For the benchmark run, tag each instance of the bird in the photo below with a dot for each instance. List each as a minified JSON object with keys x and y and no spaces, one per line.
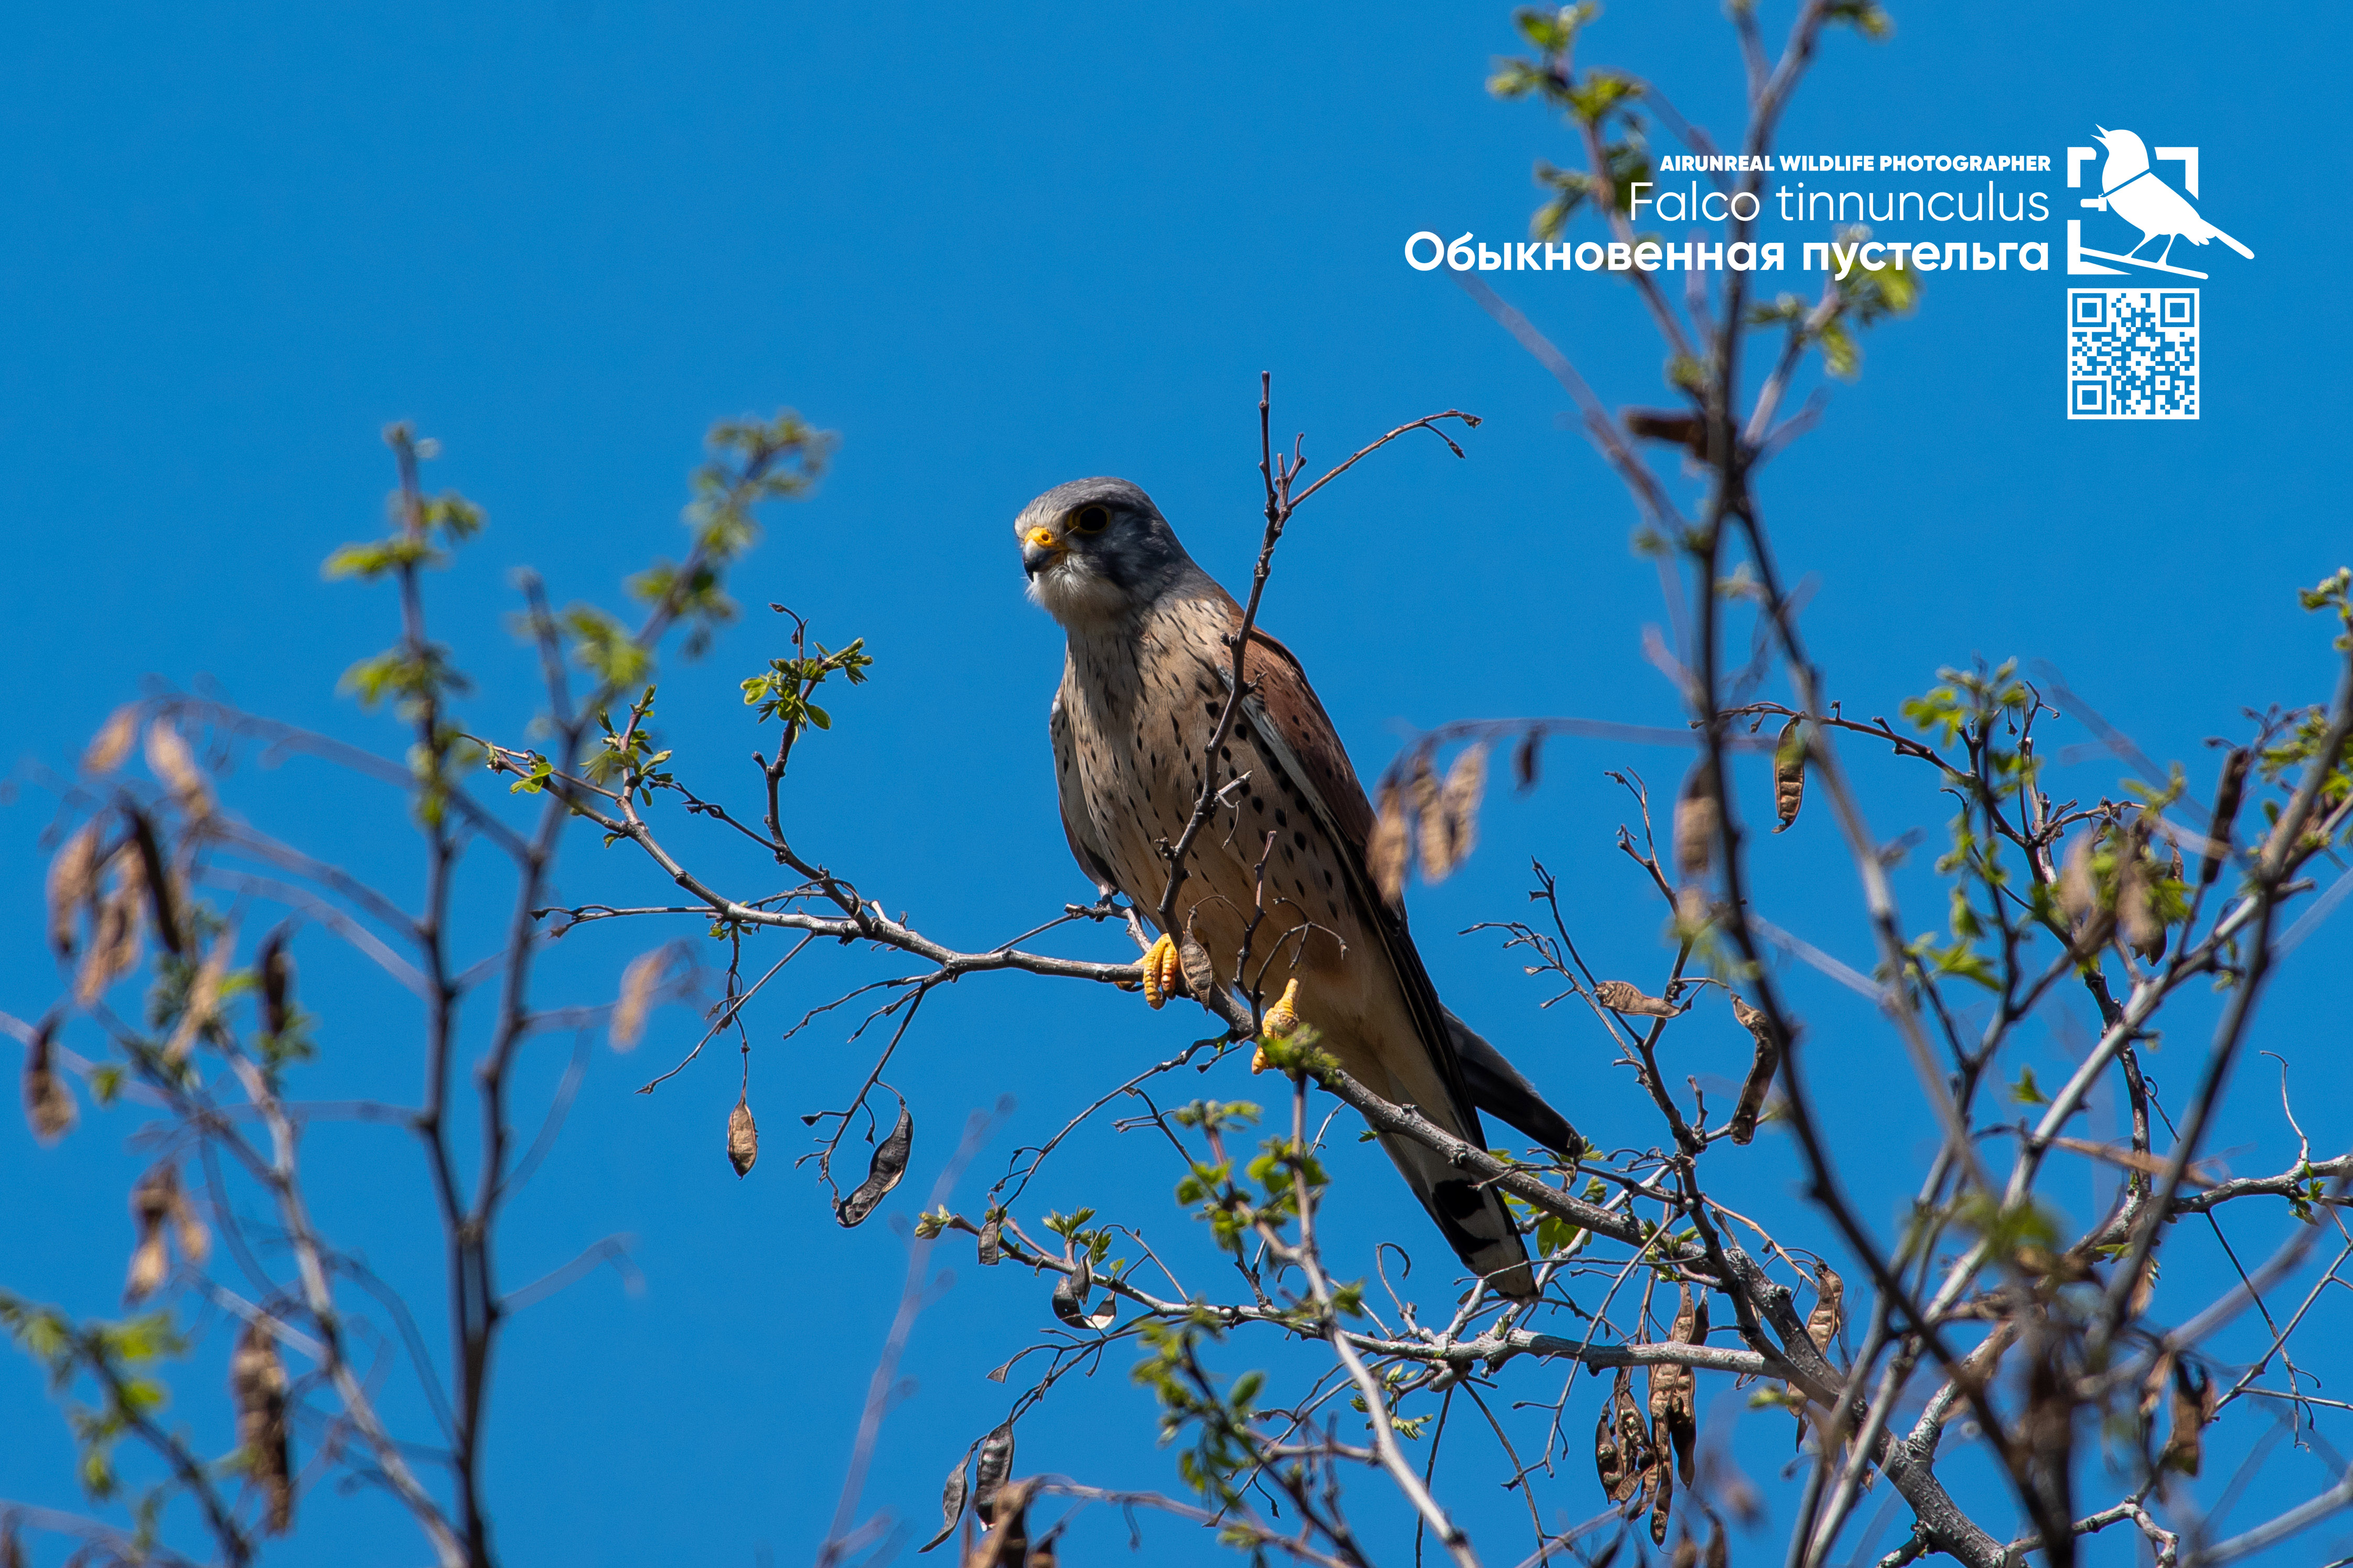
{"x":1146,"y":674}
{"x":2130,"y":189}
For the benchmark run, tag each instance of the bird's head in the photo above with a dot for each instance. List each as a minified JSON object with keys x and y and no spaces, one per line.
{"x":2123,"y":148}
{"x":1096,"y":549}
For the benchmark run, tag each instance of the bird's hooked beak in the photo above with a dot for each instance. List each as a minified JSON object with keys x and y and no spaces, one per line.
{"x":1041,"y":547}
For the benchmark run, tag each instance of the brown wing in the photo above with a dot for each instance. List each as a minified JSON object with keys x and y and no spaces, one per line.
{"x":1293,"y":728}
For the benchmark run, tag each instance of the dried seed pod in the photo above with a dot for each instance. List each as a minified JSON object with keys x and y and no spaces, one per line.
{"x":1435,"y":840}
{"x":1673,"y":1428}
{"x":2079,"y":894}
{"x":1789,"y":774}
{"x":163,"y":903}
{"x":73,"y":883}
{"x":989,"y":1470}
{"x":1525,"y":761}
{"x":952,"y":1497}
{"x":188,"y":1229}
{"x":113,"y":742}
{"x":275,"y":965}
{"x":204,"y":998}
{"x":2228,"y":791}
{"x":1699,"y":819}
{"x":50,"y":1105}
{"x":1761,"y":1069}
{"x":992,"y":1240}
{"x":2137,"y":918}
{"x":1200,"y":975}
{"x":882,"y":1173}
{"x":152,"y":1197}
{"x":12,"y":1547}
{"x":1633,"y":1438}
{"x":1719,"y":1550}
{"x":1830,"y":1308}
{"x":2194,"y":1398}
{"x":1072,"y":1290}
{"x":257,"y":1385}
{"x":639,"y":982}
{"x":170,"y":760}
{"x":742,"y":1137}
{"x":1450,"y":830}
{"x":1686,"y":1553}
{"x":1620,"y":996}
{"x":114,"y":943}
{"x":1385,"y":852}
{"x":1608,"y":1460}
{"x":1662,"y":1496}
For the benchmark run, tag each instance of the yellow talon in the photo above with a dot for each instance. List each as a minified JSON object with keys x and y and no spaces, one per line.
{"x":1161,"y":975}
{"x":1280,"y":1020}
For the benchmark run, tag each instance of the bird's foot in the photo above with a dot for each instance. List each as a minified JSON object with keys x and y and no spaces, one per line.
{"x":1163,"y":975}
{"x":1280,"y":1021}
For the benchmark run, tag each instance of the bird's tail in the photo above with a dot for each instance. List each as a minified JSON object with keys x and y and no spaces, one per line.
{"x":1497,"y":1089}
{"x":1472,"y":1218}
{"x":2233,"y":244}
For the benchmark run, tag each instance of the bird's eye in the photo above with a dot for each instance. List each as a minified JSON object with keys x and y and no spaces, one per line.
{"x":1092,"y":519}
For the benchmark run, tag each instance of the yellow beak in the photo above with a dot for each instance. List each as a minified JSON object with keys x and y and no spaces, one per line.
{"x":1041,"y":547}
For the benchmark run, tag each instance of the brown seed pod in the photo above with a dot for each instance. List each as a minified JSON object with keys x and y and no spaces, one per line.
{"x":742,"y":1137}
{"x":153,"y":1198}
{"x":952,"y":1497}
{"x":113,"y":742}
{"x":1451,"y":831}
{"x":1761,"y":1069}
{"x":992,"y":1240}
{"x":1610,"y":1460}
{"x":1699,"y":819}
{"x":115,"y":933}
{"x":171,"y":761}
{"x":163,"y":903}
{"x":1385,"y":852}
{"x":1830,"y":1308}
{"x":1620,"y":996}
{"x":639,"y":982}
{"x":1072,"y":1290}
{"x":1719,"y":1550}
{"x":1633,"y":1438}
{"x":49,"y":1107}
{"x":2079,"y":894}
{"x":1674,"y":1427}
{"x":2194,"y":1398}
{"x":1789,"y":774}
{"x":882,"y":1173}
{"x":73,"y":884}
{"x":1526,"y":757}
{"x":989,"y":1470}
{"x":1435,"y":843}
{"x":275,"y":965}
{"x":2228,"y":791}
{"x":257,"y":1385}
{"x":204,"y":998}
{"x":1663,"y":1495}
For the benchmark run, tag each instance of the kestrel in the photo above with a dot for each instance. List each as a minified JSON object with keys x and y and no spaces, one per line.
{"x":1147,"y":674}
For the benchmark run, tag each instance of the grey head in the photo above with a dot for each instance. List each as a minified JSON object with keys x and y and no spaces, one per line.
{"x":1097,"y":551}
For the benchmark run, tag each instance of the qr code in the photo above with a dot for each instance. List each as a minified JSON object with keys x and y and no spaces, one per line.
{"x":2132,"y":354}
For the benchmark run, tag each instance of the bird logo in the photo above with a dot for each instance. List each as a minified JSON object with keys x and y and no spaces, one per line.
{"x":2131,"y":188}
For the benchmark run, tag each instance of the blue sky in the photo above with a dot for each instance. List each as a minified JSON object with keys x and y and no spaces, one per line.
{"x":996,"y":251}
